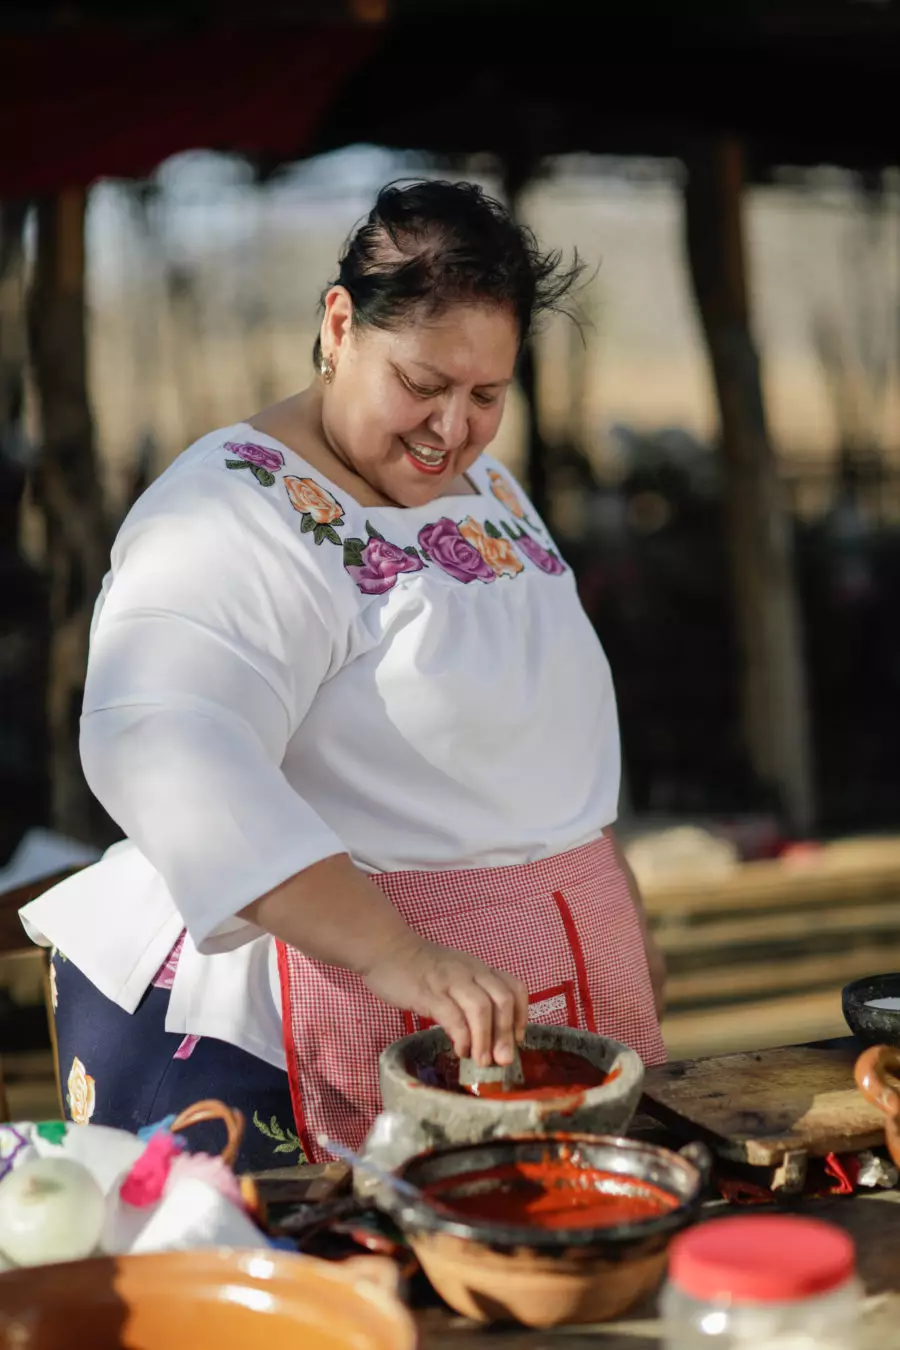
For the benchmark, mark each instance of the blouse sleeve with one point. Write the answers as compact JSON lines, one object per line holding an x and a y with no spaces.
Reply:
{"x":214,"y":633}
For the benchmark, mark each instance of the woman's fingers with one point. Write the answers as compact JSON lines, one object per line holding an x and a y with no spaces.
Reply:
{"x":478,"y":1007}
{"x":447,"y":1012}
{"x":503,"y":995}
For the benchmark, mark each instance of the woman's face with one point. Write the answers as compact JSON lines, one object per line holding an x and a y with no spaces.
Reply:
{"x":410,"y":410}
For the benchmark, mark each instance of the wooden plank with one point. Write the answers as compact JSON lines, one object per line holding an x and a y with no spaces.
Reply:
{"x":755,"y":1107}
{"x":802,"y":1017}
{"x":775,"y":886}
{"x":779,"y":976}
{"x":677,"y":936}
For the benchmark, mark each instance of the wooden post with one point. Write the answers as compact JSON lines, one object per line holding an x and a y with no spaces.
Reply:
{"x":68,"y":493}
{"x":774,"y":700}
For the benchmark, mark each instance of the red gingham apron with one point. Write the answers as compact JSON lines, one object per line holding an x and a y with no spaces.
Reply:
{"x":565,"y":926}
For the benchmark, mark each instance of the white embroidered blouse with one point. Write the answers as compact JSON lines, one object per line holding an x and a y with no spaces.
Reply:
{"x":278,"y":674}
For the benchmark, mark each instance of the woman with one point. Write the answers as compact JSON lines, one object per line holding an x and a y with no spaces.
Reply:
{"x":355,"y":726}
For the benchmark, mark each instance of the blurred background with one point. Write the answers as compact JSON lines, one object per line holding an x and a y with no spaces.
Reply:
{"x":716,"y":444}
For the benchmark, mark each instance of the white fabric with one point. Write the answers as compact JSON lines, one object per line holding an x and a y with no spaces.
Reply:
{"x":249,"y":711}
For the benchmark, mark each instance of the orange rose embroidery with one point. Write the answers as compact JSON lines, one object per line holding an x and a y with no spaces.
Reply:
{"x":309,"y":498}
{"x":319,"y":512}
{"x":504,"y":493}
{"x":81,"y":1096}
{"x":497,"y":552}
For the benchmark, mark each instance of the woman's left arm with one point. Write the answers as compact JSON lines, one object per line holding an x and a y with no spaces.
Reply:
{"x":656,"y":962}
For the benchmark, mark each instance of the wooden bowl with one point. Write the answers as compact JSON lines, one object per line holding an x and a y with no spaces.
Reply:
{"x":206,"y":1300}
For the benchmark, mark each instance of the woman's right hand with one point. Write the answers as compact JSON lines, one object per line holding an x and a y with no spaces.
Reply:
{"x":483,"y":1011}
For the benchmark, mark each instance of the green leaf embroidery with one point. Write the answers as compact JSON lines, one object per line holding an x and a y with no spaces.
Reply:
{"x":491,"y":530}
{"x":306,"y":523}
{"x":286,"y":1141}
{"x":54,"y":1131}
{"x":372,"y":532}
{"x":353,"y":552}
{"x":322,"y":532}
{"x":513,"y":536}
{"x":426,"y":555}
{"x":237,"y":464}
{"x":413,"y":552}
{"x":262,"y":476}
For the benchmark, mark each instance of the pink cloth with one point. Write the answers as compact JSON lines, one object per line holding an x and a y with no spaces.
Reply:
{"x":164,"y":979}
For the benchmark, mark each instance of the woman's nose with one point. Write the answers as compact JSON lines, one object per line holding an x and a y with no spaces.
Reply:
{"x":450,"y":421}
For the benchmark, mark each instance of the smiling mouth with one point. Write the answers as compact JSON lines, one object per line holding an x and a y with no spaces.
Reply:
{"x":425,"y":456}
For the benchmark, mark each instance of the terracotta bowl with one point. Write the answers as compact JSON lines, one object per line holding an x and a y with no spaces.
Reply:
{"x":544,"y":1277}
{"x":206,"y":1300}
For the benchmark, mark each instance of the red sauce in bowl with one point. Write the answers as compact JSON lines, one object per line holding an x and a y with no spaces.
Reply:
{"x":548,"y":1074}
{"x":551,"y":1193}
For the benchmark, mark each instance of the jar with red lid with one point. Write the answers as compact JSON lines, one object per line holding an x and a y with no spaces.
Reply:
{"x":770,"y":1281}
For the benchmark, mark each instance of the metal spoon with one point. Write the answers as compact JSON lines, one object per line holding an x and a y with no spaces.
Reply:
{"x":404,"y":1188}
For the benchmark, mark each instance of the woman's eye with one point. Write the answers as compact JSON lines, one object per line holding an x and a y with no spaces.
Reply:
{"x":485,"y":400}
{"x":418,"y":390}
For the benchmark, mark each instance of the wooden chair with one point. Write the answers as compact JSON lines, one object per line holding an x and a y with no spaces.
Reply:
{"x":13,"y":942}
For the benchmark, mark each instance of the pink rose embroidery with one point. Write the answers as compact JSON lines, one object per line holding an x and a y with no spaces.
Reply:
{"x":375,"y":565}
{"x":442,"y":543}
{"x":262,"y":462}
{"x":541,"y":557}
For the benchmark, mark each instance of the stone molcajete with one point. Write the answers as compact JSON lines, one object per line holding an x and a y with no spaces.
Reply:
{"x":415,"y":1085}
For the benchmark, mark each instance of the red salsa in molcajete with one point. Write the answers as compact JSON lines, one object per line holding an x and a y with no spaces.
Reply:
{"x":548,"y":1074}
{"x":553,"y":1192}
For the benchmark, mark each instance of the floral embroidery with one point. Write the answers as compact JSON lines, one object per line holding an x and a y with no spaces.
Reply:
{"x":497,"y":552}
{"x":286,"y":1141}
{"x":54,"y":992}
{"x":443,"y":544}
{"x":376,"y":564}
{"x":262,"y":461}
{"x":468,"y":551}
{"x":504,"y":493}
{"x":544,"y":558}
{"x":81,"y":1096}
{"x":54,"y":1131}
{"x":319,"y":511}
{"x":12,"y":1143}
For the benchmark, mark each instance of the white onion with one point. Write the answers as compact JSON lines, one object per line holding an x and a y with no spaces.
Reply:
{"x":51,"y":1209}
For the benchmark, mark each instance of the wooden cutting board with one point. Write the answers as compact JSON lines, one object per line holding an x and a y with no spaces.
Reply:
{"x":760,"y":1105}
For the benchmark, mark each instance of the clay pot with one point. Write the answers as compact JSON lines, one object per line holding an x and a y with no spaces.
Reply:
{"x":877,"y":1074}
{"x":208,"y":1300}
{"x":542,"y":1277}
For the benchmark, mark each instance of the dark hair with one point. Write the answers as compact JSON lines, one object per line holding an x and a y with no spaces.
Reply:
{"x":427,"y":245}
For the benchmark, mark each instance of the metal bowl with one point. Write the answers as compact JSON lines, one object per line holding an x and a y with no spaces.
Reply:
{"x":546,"y":1277}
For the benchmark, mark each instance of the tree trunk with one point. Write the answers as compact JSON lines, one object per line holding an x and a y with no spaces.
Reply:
{"x":518,"y":169}
{"x":68,"y":493}
{"x":774,"y":697}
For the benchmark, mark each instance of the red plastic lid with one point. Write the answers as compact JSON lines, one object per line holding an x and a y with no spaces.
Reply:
{"x":763,"y":1258}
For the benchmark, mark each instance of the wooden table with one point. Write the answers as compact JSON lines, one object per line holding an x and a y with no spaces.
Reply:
{"x":872,"y":1220}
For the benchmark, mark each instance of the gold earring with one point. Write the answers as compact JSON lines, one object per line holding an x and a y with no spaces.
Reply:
{"x":326,"y":369}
